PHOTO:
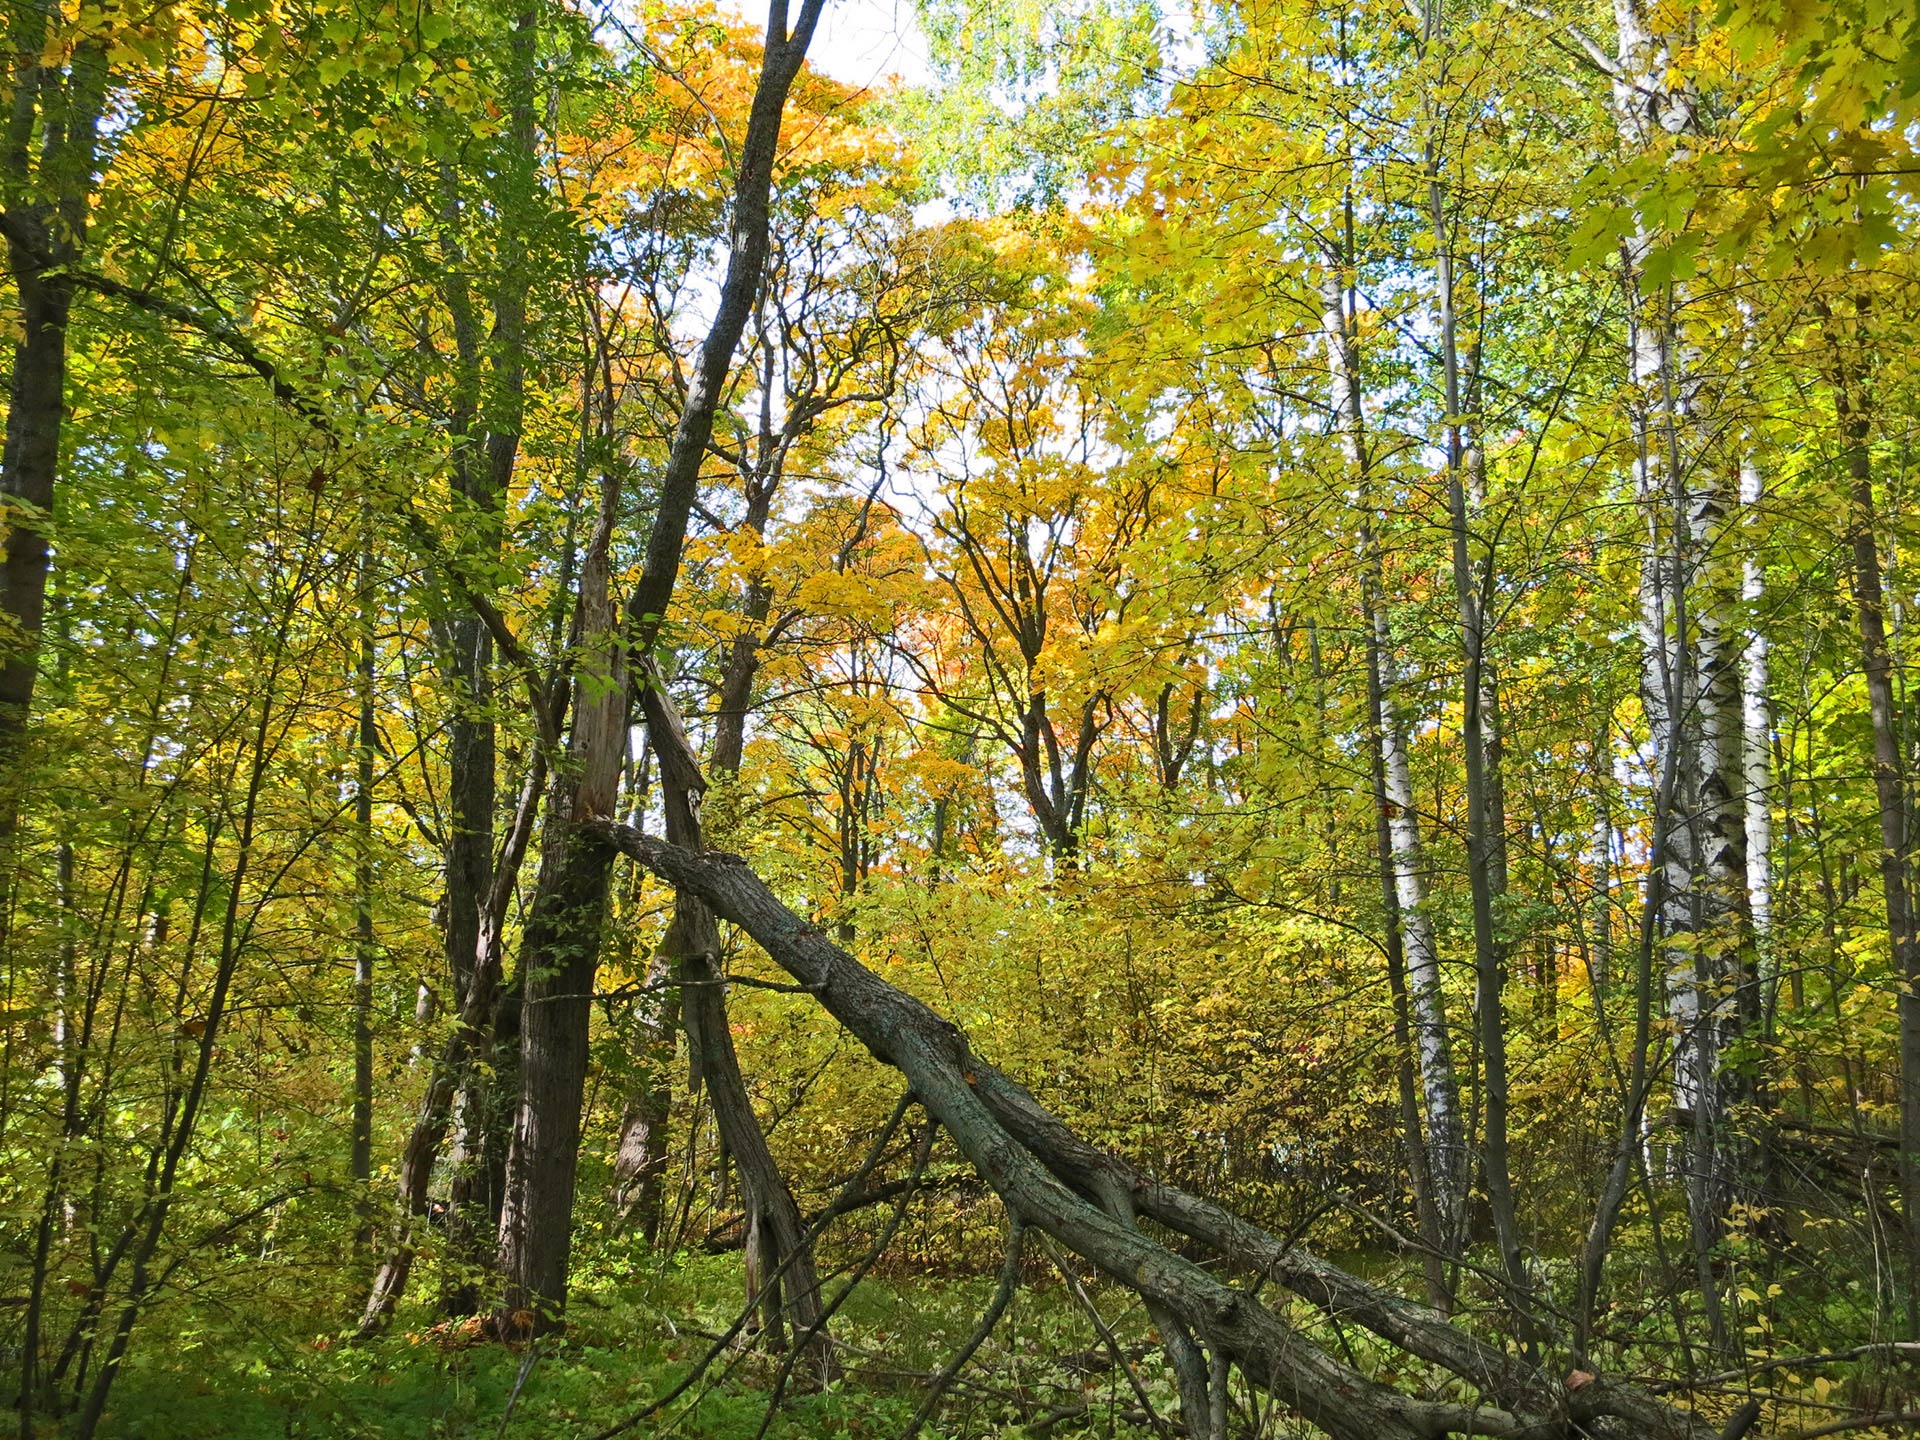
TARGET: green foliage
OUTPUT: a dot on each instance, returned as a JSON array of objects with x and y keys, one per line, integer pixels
[{"x": 1055, "y": 599}]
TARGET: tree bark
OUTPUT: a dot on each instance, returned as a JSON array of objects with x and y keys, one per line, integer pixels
[
  {"x": 640, "y": 1158},
  {"x": 475, "y": 1025},
  {"x": 560, "y": 955},
  {"x": 776, "y": 1236},
  {"x": 485, "y": 422},
  {"x": 1690, "y": 685},
  {"x": 1419, "y": 1166},
  {"x": 1489, "y": 947},
  {"x": 367, "y": 739},
  {"x": 45, "y": 232},
  {"x": 1890, "y": 789},
  {"x": 1756, "y": 717},
  {"x": 488, "y": 414}
]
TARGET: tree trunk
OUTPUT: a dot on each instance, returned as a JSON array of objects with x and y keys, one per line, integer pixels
[
  {"x": 483, "y": 464},
  {"x": 476, "y": 1024},
  {"x": 35, "y": 408},
  {"x": 1890, "y": 789},
  {"x": 361, "y": 1160},
  {"x": 562, "y": 940},
  {"x": 560, "y": 955},
  {"x": 640, "y": 1159},
  {"x": 776, "y": 1236},
  {"x": 1446, "y": 1149},
  {"x": 1690, "y": 683},
  {"x": 44, "y": 234},
  {"x": 1419, "y": 1166},
  {"x": 736, "y": 682},
  {"x": 1483, "y": 841},
  {"x": 1756, "y": 717}
]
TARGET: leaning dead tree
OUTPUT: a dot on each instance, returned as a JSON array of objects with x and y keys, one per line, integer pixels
[{"x": 1092, "y": 1202}]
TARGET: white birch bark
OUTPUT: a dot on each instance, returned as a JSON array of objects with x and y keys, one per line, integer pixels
[
  {"x": 1757, "y": 732},
  {"x": 1719, "y": 813},
  {"x": 1646, "y": 104},
  {"x": 1446, "y": 1146}
]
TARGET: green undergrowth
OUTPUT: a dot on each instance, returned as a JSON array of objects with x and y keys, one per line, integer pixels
[
  {"x": 633, "y": 1337},
  {"x": 278, "y": 1367}
]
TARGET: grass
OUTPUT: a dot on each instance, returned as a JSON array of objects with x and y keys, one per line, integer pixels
[{"x": 632, "y": 1337}]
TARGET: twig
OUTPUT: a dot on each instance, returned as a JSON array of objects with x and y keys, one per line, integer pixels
[
  {"x": 922, "y": 1153},
  {"x": 990, "y": 1317},
  {"x": 526, "y": 1368},
  {"x": 1884, "y": 1350},
  {"x": 1112, "y": 1342}
]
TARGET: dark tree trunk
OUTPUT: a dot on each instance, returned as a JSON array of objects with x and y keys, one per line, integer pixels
[
  {"x": 736, "y": 684},
  {"x": 559, "y": 957},
  {"x": 776, "y": 1237},
  {"x": 561, "y": 947},
  {"x": 640, "y": 1161},
  {"x": 368, "y": 739},
  {"x": 482, "y": 473},
  {"x": 44, "y": 234},
  {"x": 35, "y": 408},
  {"x": 422, "y": 1149},
  {"x": 476, "y": 1025},
  {"x": 482, "y": 1134},
  {"x": 481, "y": 466},
  {"x": 561, "y": 953},
  {"x": 1486, "y": 848}
]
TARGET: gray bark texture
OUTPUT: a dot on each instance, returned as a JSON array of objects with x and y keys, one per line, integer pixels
[{"x": 776, "y": 1237}]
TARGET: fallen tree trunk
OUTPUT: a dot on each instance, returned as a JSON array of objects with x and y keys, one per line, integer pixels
[{"x": 1052, "y": 1180}]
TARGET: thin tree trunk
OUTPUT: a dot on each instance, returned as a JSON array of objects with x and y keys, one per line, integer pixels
[
  {"x": 1419, "y": 1168},
  {"x": 361, "y": 1160},
  {"x": 1489, "y": 950},
  {"x": 776, "y": 1237},
  {"x": 475, "y": 1025},
  {"x": 483, "y": 472},
  {"x": 1446, "y": 1149},
  {"x": 640, "y": 1158},
  {"x": 1756, "y": 714},
  {"x": 43, "y": 234},
  {"x": 1890, "y": 788}
]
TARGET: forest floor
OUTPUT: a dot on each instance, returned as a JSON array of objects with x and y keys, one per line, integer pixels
[{"x": 1044, "y": 1372}]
